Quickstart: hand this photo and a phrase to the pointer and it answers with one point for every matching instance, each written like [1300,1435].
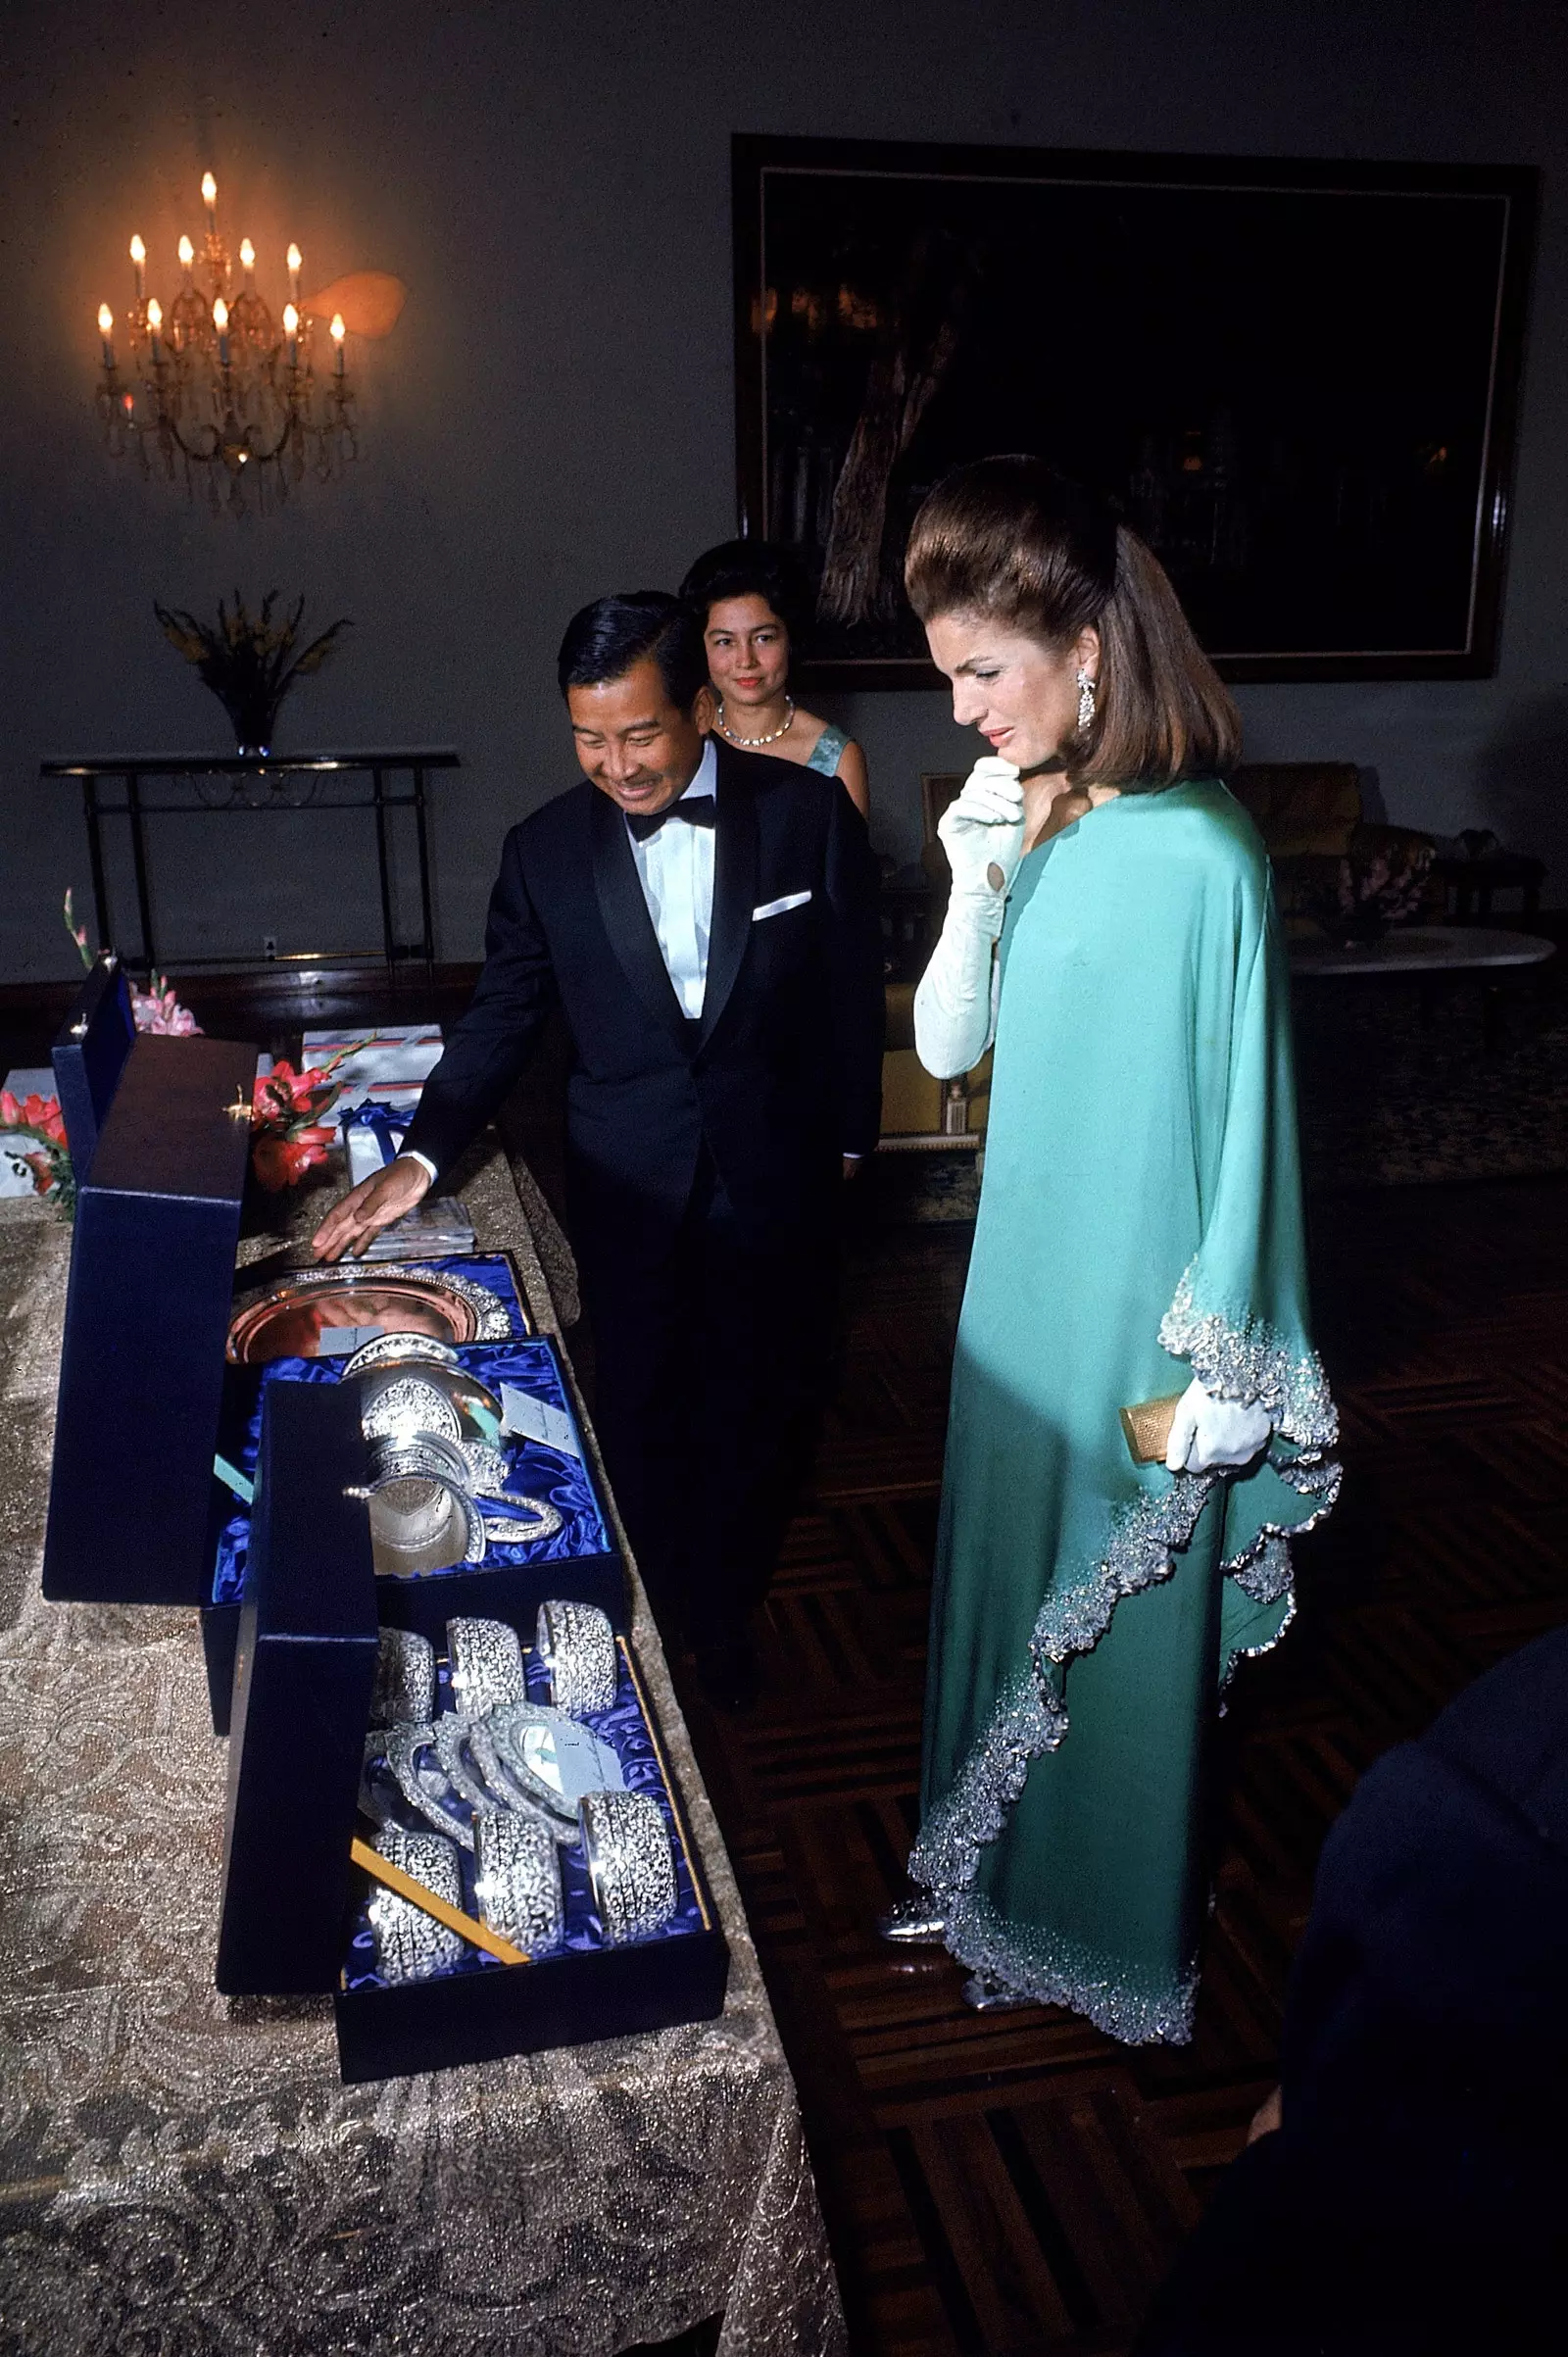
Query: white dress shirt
[675,869]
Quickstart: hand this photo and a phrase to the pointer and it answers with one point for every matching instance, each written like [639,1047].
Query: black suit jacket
[781,1076]
[1412,2202]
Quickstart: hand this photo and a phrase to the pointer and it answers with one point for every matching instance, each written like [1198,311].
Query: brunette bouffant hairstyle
[750,569]
[1013,540]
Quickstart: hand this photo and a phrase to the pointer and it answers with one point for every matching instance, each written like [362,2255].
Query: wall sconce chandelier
[215,384]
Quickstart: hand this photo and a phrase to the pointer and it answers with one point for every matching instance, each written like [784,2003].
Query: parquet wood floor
[1015,2183]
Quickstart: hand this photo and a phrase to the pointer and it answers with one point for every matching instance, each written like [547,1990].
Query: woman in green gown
[1112,925]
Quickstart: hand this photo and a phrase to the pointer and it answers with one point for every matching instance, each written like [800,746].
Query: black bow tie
[697,810]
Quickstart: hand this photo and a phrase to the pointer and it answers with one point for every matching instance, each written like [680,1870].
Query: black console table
[253,782]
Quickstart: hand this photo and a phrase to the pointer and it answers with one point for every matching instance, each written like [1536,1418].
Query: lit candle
[338,331]
[138,256]
[291,329]
[220,322]
[154,321]
[296,262]
[187,255]
[247,256]
[106,322]
[210,200]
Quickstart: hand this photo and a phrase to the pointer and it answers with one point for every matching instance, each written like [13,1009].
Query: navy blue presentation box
[141,1370]
[294,1903]
[512,1581]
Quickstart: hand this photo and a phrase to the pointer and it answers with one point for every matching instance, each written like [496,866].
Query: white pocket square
[790,899]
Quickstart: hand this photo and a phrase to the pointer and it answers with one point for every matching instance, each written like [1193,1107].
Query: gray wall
[552,415]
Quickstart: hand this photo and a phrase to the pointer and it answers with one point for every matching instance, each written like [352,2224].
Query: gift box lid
[89,1055]
[152,1274]
[303,1683]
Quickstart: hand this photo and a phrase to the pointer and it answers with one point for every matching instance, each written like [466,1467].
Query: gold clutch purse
[1148,1428]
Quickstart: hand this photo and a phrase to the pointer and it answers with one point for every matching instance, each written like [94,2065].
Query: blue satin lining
[626,1730]
[534,1472]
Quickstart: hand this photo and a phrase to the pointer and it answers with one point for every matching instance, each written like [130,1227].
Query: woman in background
[752,608]
[1112,925]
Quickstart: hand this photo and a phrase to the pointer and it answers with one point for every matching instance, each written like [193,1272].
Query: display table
[180,2170]
[1422,950]
[238,782]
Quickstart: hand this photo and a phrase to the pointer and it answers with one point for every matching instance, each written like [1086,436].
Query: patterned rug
[1400,1084]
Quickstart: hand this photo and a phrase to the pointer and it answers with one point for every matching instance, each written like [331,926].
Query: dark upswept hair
[750,569]
[604,639]
[1013,540]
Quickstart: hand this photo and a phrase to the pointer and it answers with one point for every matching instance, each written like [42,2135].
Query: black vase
[252,715]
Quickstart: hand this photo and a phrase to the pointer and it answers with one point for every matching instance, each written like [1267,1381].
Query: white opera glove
[954,1005]
[1208,1431]
[981,830]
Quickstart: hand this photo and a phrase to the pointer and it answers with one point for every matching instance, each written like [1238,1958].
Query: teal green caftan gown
[1139,1222]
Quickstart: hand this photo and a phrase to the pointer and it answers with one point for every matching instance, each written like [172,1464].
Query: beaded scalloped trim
[1254,1364]
[1058,1972]
[1031,1716]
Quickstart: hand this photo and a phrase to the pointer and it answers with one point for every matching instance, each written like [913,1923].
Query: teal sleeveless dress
[828,750]
[1139,1222]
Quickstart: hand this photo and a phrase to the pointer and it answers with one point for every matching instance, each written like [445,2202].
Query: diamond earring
[1085,700]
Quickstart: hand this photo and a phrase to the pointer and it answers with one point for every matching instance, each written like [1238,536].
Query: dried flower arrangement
[245,660]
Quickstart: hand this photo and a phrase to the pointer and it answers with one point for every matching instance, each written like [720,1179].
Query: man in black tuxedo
[707,921]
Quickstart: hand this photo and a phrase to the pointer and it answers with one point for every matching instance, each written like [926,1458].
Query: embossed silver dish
[290,1319]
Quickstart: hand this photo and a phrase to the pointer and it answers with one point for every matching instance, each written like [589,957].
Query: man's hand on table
[373,1204]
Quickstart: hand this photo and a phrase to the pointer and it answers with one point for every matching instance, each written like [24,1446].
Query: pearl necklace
[750,743]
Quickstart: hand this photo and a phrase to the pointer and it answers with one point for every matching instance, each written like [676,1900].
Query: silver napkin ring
[486,1662]
[517,1881]
[631,1866]
[577,1647]
[405,1679]
[410,1945]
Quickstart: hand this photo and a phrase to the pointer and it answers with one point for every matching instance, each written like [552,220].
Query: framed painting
[1300,381]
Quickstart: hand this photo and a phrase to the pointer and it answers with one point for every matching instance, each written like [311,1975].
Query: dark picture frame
[1299,379]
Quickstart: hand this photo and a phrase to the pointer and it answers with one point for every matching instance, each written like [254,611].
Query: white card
[534,1419]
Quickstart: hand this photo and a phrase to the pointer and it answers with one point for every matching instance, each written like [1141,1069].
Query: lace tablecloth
[183,2173]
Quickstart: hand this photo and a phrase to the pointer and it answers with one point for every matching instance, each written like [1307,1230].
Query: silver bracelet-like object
[631,1865]
[405,1679]
[464,1772]
[486,1659]
[541,1520]
[410,1945]
[426,1789]
[517,1881]
[577,1647]
[488,1468]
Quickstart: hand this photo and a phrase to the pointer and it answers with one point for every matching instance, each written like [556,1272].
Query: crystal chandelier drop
[217,386]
